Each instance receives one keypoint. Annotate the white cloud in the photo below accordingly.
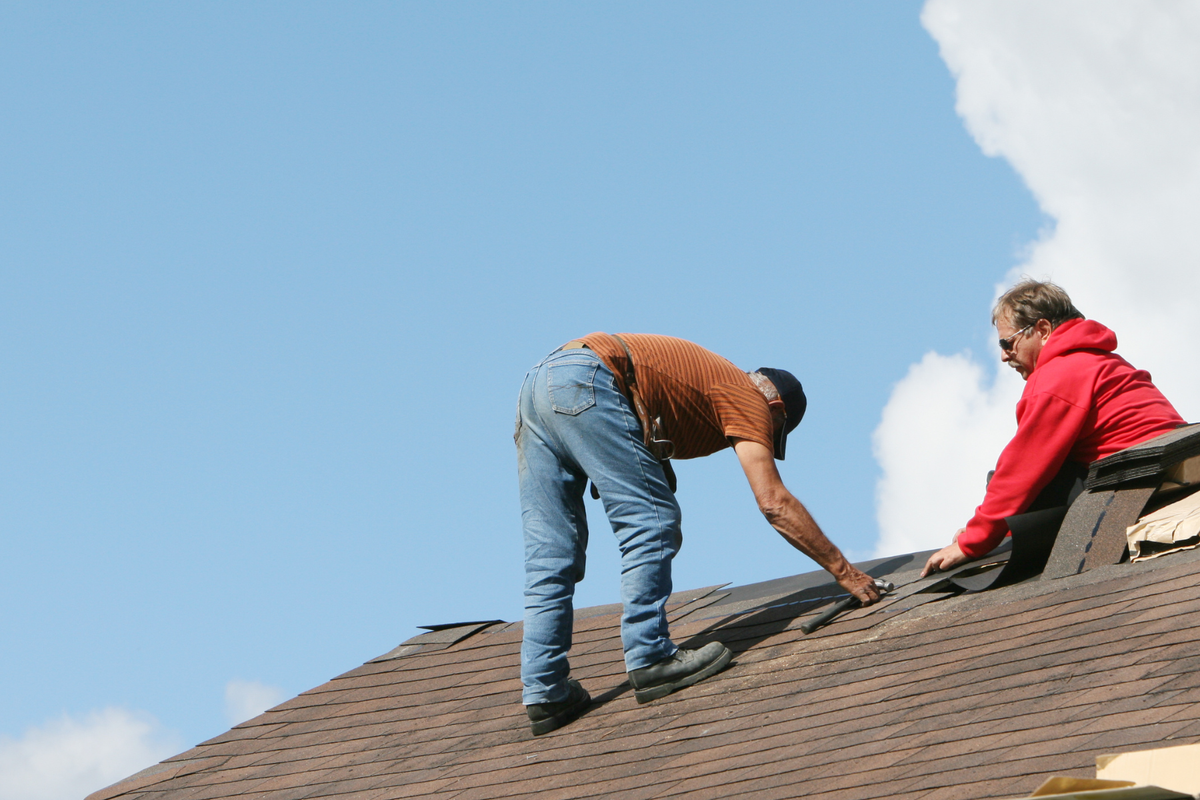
(922, 500)
(68, 758)
(247, 699)
(1096, 104)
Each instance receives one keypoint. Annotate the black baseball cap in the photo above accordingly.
(794, 403)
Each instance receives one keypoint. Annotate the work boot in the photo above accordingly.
(545, 717)
(675, 672)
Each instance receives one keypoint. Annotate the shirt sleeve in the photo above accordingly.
(743, 413)
(1047, 428)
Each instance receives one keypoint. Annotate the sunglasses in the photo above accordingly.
(1007, 344)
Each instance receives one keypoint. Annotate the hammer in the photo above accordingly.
(844, 604)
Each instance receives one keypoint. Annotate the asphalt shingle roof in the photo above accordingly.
(929, 695)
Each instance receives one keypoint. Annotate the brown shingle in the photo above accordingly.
(970, 696)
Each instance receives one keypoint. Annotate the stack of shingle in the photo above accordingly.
(1145, 461)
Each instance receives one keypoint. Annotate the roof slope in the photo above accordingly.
(926, 696)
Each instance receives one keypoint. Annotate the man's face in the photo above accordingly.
(1026, 345)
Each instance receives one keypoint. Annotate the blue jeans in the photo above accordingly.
(574, 424)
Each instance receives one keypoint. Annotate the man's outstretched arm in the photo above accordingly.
(789, 516)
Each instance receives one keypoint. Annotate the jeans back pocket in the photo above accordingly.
(570, 385)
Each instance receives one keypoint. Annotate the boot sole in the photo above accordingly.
(664, 689)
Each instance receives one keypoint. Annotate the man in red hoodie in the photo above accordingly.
(1081, 402)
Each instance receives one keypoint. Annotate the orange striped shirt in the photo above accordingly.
(702, 398)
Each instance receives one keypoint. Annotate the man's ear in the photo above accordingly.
(778, 412)
(1044, 329)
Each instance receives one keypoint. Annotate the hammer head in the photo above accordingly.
(884, 587)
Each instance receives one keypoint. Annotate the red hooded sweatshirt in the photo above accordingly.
(1082, 402)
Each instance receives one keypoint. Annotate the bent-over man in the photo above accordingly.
(1081, 402)
(578, 420)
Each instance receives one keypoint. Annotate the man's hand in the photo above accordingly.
(948, 557)
(861, 585)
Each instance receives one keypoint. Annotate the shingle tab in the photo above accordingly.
(438, 637)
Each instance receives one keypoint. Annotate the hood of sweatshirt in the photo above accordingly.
(1077, 334)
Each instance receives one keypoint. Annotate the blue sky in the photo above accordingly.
(271, 275)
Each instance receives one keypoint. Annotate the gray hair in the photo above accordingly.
(764, 385)
(1029, 301)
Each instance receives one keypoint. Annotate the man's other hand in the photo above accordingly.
(948, 557)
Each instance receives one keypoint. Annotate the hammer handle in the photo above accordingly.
(845, 604)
